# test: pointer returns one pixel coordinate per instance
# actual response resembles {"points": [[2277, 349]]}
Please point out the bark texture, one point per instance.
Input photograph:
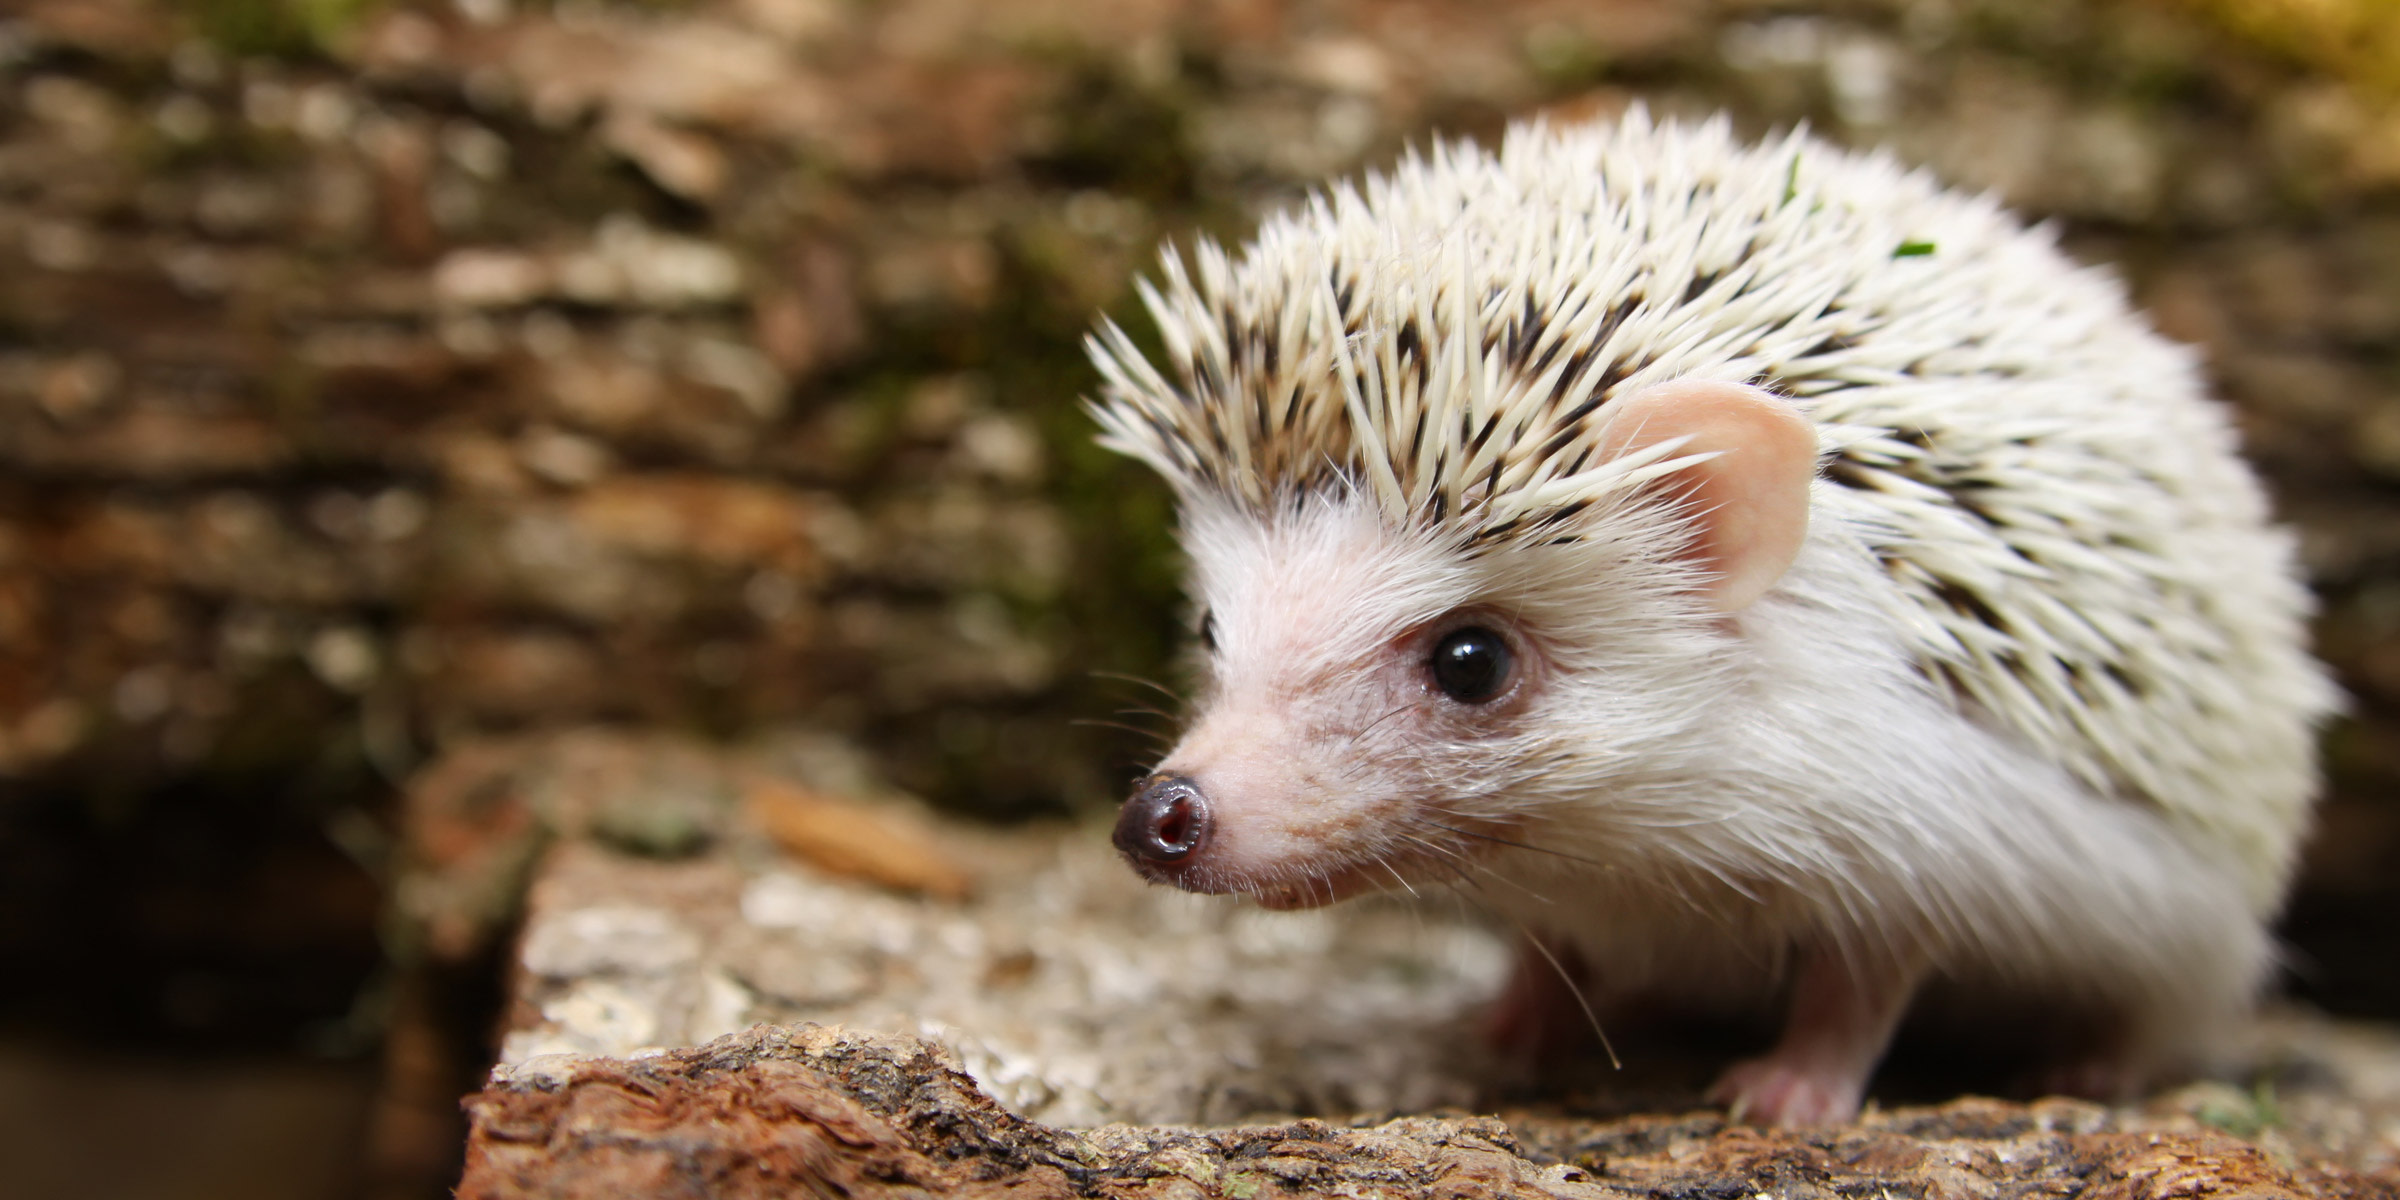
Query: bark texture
{"points": [[817, 1111]]}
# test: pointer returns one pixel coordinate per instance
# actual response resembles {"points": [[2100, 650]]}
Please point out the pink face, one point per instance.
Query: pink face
{"points": [[1384, 707], [1361, 701]]}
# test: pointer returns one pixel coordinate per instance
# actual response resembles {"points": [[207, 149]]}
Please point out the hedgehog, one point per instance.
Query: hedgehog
{"points": [[1769, 578]]}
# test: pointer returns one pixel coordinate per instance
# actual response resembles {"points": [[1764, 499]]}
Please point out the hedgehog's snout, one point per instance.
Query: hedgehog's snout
{"points": [[1163, 825]]}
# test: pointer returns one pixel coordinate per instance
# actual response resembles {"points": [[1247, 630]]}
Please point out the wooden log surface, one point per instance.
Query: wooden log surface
{"points": [[731, 1012], [817, 1111]]}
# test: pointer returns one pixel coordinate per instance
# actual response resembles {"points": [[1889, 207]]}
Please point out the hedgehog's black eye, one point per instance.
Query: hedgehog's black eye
{"points": [[1472, 665], [1208, 631]]}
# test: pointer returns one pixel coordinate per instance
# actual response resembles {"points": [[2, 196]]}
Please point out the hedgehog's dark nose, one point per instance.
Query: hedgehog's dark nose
{"points": [[1164, 822]]}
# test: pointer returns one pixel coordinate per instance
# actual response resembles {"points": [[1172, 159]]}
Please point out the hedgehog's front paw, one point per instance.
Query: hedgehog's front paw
{"points": [[1775, 1090], [1842, 1016]]}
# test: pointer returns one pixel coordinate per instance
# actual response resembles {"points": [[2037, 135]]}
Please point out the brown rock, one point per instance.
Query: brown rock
{"points": [[629, 551], [156, 442], [402, 157], [719, 521], [509, 676], [682, 162], [119, 27], [961, 120], [806, 316]]}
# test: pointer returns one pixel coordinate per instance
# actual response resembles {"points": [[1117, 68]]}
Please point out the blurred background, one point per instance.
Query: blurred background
{"points": [[379, 378]]}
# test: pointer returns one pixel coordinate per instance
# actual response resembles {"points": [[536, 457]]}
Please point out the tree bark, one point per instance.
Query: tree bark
{"points": [[809, 1110]]}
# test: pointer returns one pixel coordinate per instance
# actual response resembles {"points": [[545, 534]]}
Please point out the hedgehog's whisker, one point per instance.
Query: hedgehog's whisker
{"points": [[1361, 765], [1370, 726], [1591, 1015], [1097, 723], [1676, 887], [1458, 862], [1573, 989], [1162, 689]]}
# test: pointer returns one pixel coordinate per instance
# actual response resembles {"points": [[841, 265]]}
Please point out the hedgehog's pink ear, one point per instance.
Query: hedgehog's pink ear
{"points": [[1750, 502]]}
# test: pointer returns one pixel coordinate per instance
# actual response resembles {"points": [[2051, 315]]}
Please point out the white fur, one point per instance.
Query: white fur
{"points": [[2031, 707]]}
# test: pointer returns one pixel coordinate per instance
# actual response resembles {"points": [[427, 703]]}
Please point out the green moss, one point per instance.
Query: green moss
{"points": [[1117, 609], [1129, 573], [664, 824], [1564, 58], [2146, 55], [278, 28], [1118, 135], [2243, 1116]]}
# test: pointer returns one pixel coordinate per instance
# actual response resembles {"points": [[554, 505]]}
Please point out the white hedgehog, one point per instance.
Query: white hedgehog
{"points": [[1767, 575]]}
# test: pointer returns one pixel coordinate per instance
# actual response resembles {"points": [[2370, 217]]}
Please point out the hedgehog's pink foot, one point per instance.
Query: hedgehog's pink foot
{"points": [[1841, 1019], [1775, 1091]]}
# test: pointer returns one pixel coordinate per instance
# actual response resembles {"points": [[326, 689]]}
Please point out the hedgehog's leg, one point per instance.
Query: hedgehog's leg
{"points": [[1541, 1015], [1842, 1017]]}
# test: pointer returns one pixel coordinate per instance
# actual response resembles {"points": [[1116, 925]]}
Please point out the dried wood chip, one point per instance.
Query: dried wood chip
{"points": [[858, 840]]}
